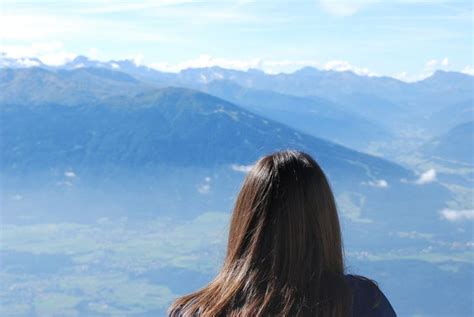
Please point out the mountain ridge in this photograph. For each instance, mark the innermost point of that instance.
(83, 61)
(172, 125)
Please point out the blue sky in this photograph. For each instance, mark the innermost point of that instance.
(403, 38)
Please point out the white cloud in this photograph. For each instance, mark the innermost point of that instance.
(67, 184)
(406, 77)
(428, 70)
(244, 2)
(242, 168)
(33, 50)
(93, 53)
(410, 78)
(351, 206)
(380, 183)
(51, 53)
(57, 58)
(415, 235)
(26, 62)
(469, 70)
(434, 64)
(343, 8)
(342, 66)
(20, 62)
(431, 63)
(128, 6)
(205, 187)
(457, 215)
(427, 177)
(54, 54)
(71, 27)
(17, 197)
(362, 255)
(138, 59)
(70, 174)
(269, 66)
(35, 27)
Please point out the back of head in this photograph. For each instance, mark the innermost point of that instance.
(284, 254)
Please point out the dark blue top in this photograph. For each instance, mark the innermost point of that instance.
(368, 299)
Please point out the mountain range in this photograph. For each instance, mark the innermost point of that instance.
(372, 110)
(455, 145)
(103, 124)
(119, 179)
(79, 123)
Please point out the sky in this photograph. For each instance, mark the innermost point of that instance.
(406, 39)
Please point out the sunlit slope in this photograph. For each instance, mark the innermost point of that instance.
(315, 116)
(168, 126)
(456, 145)
(38, 86)
(158, 147)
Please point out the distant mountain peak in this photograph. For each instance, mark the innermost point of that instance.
(307, 70)
(447, 79)
(205, 74)
(23, 62)
(255, 71)
(444, 74)
(80, 59)
(207, 69)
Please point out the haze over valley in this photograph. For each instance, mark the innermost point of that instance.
(117, 180)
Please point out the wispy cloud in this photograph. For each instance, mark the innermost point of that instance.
(17, 197)
(469, 70)
(433, 64)
(428, 69)
(59, 28)
(50, 53)
(65, 183)
(379, 183)
(427, 177)
(272, 36)
(351, 205)
(191, 12)
(341, 66)
(37, 27)
(70, 174)
(129, 6)
(242, 168)
(343, 8)
(415, 235)
(457, 215)
(205, 186)
(268, 65)
(54, 53)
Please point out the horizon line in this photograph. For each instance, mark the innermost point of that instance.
(36, 61)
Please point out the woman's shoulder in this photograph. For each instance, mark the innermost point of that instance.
(368, 299)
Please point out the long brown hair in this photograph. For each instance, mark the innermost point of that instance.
(284, 254)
